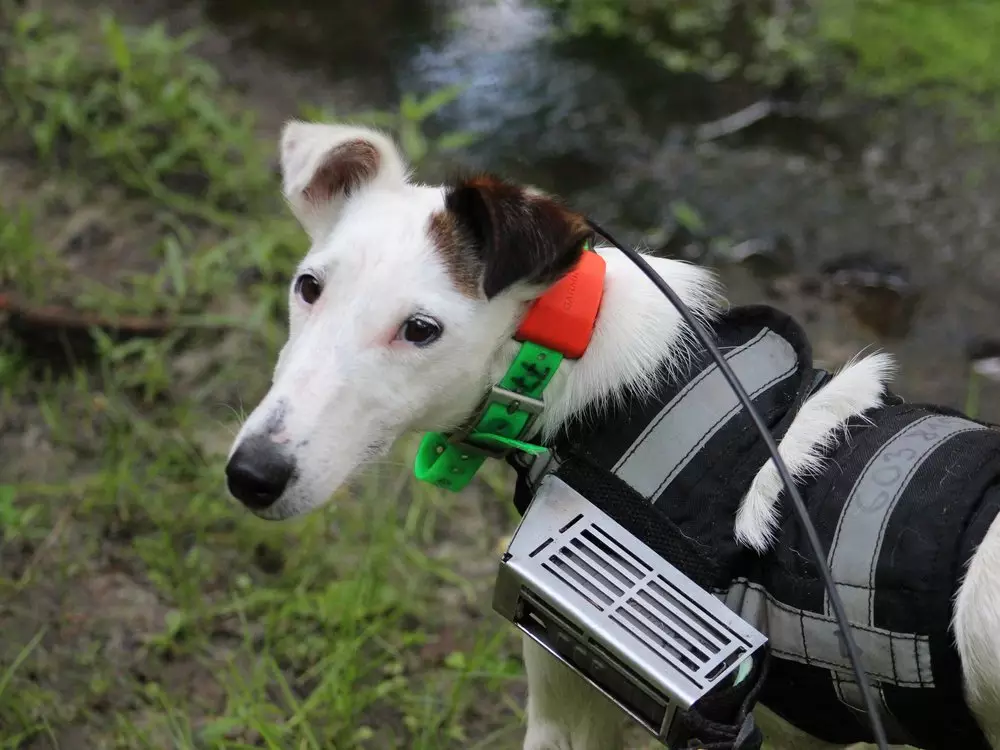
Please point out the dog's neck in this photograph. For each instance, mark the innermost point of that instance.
(638, 333)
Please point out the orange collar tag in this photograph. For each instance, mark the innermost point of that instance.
(563, 318)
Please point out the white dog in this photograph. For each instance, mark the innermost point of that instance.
(402, 316)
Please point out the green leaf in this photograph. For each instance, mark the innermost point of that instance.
(435, 101)
(413, 142)
(174, 257)
(8, 512)
(457, 140)
(174, 621)
(217, 730)
(687, 216)
(114, 38)
(409, 108)
(373, 118)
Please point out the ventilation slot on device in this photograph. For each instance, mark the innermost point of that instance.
(650, 608)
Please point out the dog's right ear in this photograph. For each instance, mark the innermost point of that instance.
(519, 236)
(322, 166)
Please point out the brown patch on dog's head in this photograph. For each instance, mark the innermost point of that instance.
(344, 169)
(496, 234)
(455, 246)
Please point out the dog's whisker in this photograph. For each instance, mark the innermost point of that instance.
(239, 414)
(227, 426)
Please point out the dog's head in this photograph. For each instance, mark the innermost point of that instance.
(399, 313)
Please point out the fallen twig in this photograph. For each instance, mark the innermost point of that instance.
(744, 118)
(56, 316)
(67, 317)
(735, 122)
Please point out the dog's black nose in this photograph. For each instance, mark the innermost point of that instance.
(258, 472)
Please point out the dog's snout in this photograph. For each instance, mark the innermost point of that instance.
(258, 472)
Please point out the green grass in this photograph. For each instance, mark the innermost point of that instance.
(931, 51)
(142, 609)
(93, 112)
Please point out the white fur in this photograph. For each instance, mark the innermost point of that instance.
(564, 712)
(645, 328)
(977, 633)
(345, 387)
(819, 423)
(305, 145)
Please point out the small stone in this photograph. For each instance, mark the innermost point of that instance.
(766, 257)
(878, 294)
(984, 358)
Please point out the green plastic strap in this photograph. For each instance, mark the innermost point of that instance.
(452, 465)
(518, 445)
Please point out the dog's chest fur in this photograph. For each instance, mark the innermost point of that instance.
(906, 494)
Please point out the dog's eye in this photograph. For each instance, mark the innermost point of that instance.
(308, 288)
(420, 330)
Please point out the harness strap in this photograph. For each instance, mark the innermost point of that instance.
(531, 469)
(700, 729)
(685, 431)
(664, 446)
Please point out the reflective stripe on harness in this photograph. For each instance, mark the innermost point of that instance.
(857, 545)
(700, 410)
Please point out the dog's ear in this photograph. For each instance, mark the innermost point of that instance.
(519, 235)
(322, 166)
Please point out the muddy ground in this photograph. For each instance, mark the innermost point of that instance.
(140, 609)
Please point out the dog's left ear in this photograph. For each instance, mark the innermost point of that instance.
(520, 236)
(323, 166)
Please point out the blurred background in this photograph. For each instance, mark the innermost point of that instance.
(835, 158)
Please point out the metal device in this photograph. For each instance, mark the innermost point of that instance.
(617, 613)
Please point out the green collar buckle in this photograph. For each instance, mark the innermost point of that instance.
(508, 414)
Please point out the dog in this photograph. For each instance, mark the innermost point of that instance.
(401, 318)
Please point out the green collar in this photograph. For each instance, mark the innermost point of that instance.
(508, 414)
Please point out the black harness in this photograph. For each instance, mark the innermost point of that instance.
(904, 500)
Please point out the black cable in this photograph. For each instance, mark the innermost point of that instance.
(874, 716)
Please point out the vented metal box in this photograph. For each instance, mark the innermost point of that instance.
(615, 612)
